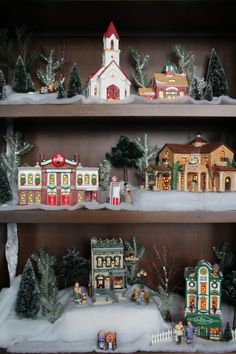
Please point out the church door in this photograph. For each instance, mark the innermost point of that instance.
(227, 184)
(113, 92)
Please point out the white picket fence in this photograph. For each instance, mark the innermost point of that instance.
(164, 336)
(233, 331)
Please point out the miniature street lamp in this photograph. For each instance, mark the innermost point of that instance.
(141, 276)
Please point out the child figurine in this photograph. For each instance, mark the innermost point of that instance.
(79, 297)
(114, 191)
(190, 330)
(179, 330)
(127, 194)
(101, 340)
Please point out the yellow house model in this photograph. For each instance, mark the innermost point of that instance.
(198, 166)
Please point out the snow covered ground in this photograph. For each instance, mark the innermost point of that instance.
(37, 98)
(76, 330)
(155, 201)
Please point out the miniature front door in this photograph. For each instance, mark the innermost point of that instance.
(81, 197)
(52, 199)
(113, 92)
(65, 199)
(227, 184)
(100, 283)
(107, 283)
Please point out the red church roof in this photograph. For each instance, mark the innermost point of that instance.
(111, 30)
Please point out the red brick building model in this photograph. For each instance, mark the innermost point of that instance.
(57, 181)
(166, 85)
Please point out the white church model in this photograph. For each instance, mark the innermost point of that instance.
(109, 82)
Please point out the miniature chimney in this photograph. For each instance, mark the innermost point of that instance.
(41, 158)
(77, 159)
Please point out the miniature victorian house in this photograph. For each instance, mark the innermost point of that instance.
(57, 181)
(197, 166)
(108, 273)
(203, 299)
(166, 85)
(109, 82)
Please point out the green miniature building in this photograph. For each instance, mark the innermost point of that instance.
(203, 299)
(108, 272)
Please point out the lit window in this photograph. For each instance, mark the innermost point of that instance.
(203, 304)
(22, 198)
(30, 198)
(108, 261)
(37, 179)
(37, 198)
(51, 180)
(22, 179)
(99, 262)
(183, 161)
(80, 197)
(203, 288)
(30, 178)
(222, 155)
(65, 180)
(80, 179)
(94, 180)
(86, 179)
(161, 93)
(117, 261)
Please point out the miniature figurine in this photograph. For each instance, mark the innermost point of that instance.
(127, 193)
(179, 331)
(106, 341)
(139, 296)
(80, 298)
(190, 331)
(109, 82)
(101, 340)
(114, 191)
(57, 181)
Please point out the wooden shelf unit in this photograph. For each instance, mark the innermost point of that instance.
(153, 27)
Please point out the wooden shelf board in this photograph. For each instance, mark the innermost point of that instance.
(116, 110)
(115, 217)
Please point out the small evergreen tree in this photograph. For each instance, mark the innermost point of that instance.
(30, 84)
(196, 92)
(175, 175)
(47, 285)
(72, 266)
(74, 85)
(125, 154)
(61, 93)
(227, 334)
(208, 94)
(5, 190)
(19, 83)
(216, 76)
(27, 301)
(3, 94)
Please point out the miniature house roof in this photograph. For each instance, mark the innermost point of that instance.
(101, 71)
(170, 80)
(108, 243)
(154, 167)
(191, 149)
(111, 30)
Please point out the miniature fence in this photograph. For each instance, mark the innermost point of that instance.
(233, 331)
(164, 336)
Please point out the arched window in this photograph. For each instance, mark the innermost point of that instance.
(22, 198)
(51, 180)
(30, 178)
(30, 198)
(112, 44)
(37, 179)
(22, 179)
(95, 91)
(37, 198)
(222, 155)
(86, 179)
(94, 180)
(65, 180)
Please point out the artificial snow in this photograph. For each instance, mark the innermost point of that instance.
(51, 98)
(76, 330)
(143, 200)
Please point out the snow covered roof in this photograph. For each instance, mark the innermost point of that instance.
(111, 30)
(190, 149)
(170, 80)
(108, 243)
(104, 68)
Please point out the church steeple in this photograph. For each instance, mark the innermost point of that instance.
(111, 49)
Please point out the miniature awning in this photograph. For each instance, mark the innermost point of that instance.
(207, 321)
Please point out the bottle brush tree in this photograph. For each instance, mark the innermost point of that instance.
(27, 300)
(216, 76)
(19, 83)
(5, 190)
(61, 93)
(125, 154)
(48, 291)
(74, 85)
(134, 254)
(3, 94)
(208, 94)
(72, 266)
(227, 334)
(139, 71)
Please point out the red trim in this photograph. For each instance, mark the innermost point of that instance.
(111, 30)
(106, 67)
